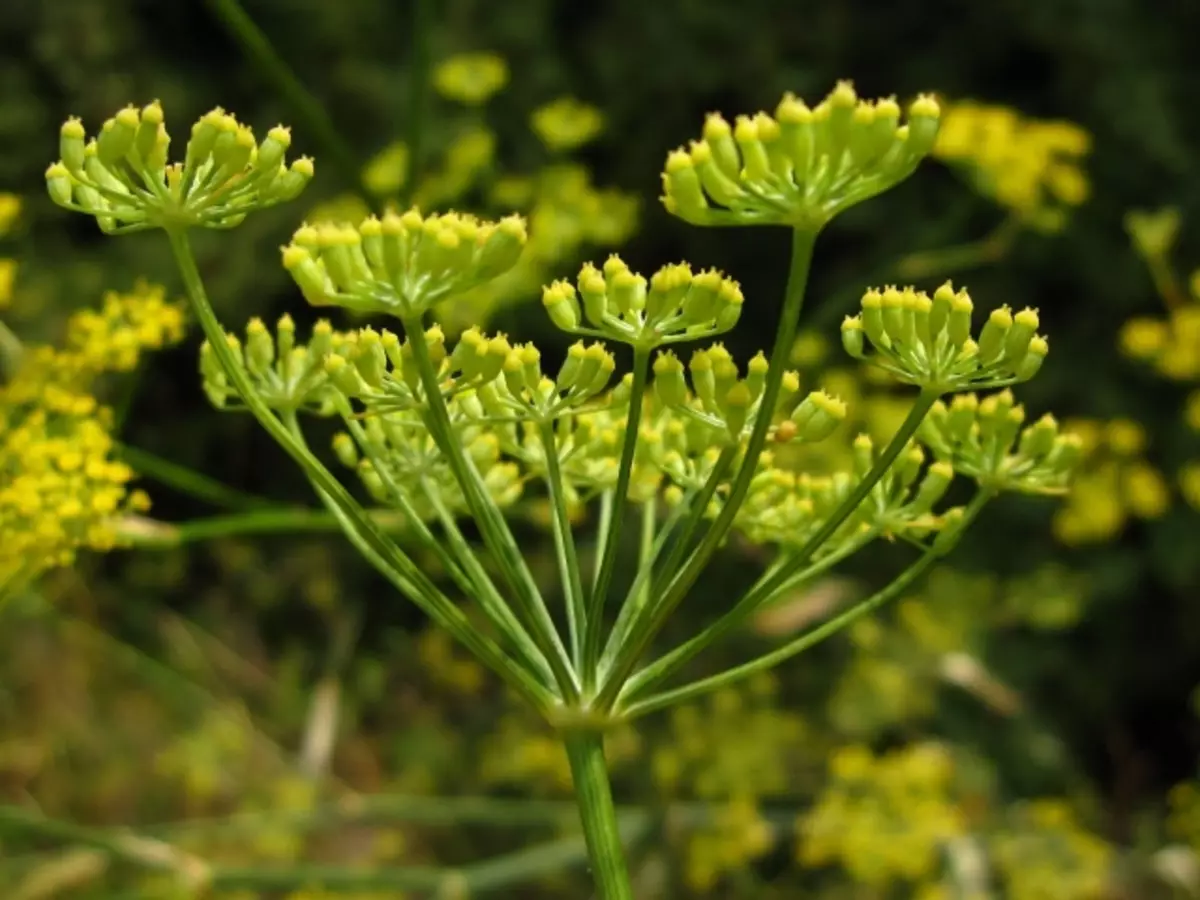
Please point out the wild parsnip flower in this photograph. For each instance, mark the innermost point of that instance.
(470, 78)
(884, 819)
(1045, 854)
(566, 123)
(124, 179)
(61, 489)
(1113, 483)
(800, 166)
(927, 342)
(988, 441)
(401, 264)
(1031, 167)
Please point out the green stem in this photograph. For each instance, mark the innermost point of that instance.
(589, 772)
(564, 545)
(631, 617)
(362, 531)
(663, 668)
(594, 622)
(641, 597)
(152, 534)
(418, 96)
(11, 351)
(489, 875)
(803, 241)
(497, 536)
(805, 641)
(189, 481)
(305, 106)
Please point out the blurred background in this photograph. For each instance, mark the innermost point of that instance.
(1023, 726)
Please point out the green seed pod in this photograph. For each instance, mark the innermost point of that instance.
(959, 325)
(151, 138)
(818, 416)
(1035, 355)
(730, 301)
(736, 407)
(562, 305)
(939, 312)
(872, 319)
(993, 335)
(796, 134)
(1038, 439)
(309, 274)
(345, 450)
(594, 291)
(852, 336)
(116, 136)
(628, 293)
(1024, 327)
(721, 187)
(681, 186)
(923, 119)
(719, 138)
(260, 348)
(272, 150)
(669, 384)
(933, 487)
(568, 374)
(756, 167)
(703, 382)
(59, 184)
(71, 142)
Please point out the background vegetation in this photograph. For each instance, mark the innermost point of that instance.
(1023, 728)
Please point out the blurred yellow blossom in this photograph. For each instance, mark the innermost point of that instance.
(736, 837)
(1031, 167)
(566, 123)
(470, 78)
(60, 488)
(883, 818)
(1113, 483)
(1045, 854)
(10, 211)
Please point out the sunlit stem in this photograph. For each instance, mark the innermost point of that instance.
(564, 544)
(495, 531)
(611, 541)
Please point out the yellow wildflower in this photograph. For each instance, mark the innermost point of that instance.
(566, 123)
(470, 78)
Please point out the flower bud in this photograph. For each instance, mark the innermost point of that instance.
(993, 335)
(1033, 359)
(116, 136)
(260, 348)
(872, 319)
(818, 416)
(1025, 325)
(923, 119)
(59, 185)
(852, 336)
(309, 274)
(736, 407)
(669, 384)
(862, 451)
(502, 247)
(568, 373)
(594, 292)
(343, 376)
(345, 450)
(1038, 439)
(562, 305)
(933, 487)
(958, 326)
(71, 142)
(939, 311)
(683, 194)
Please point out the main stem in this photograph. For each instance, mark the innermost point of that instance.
(589, 773)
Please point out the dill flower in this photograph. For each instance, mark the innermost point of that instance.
(566, 123)
(1045, 854)
(470, 78)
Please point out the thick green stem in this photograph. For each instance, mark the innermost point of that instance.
(663, 668)
(594, 623)
(305, 106)
(803, 241)
(589, 772)
(189, 481)
(564, 545)
(497, 536)
(805, 641)
(362, 531)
